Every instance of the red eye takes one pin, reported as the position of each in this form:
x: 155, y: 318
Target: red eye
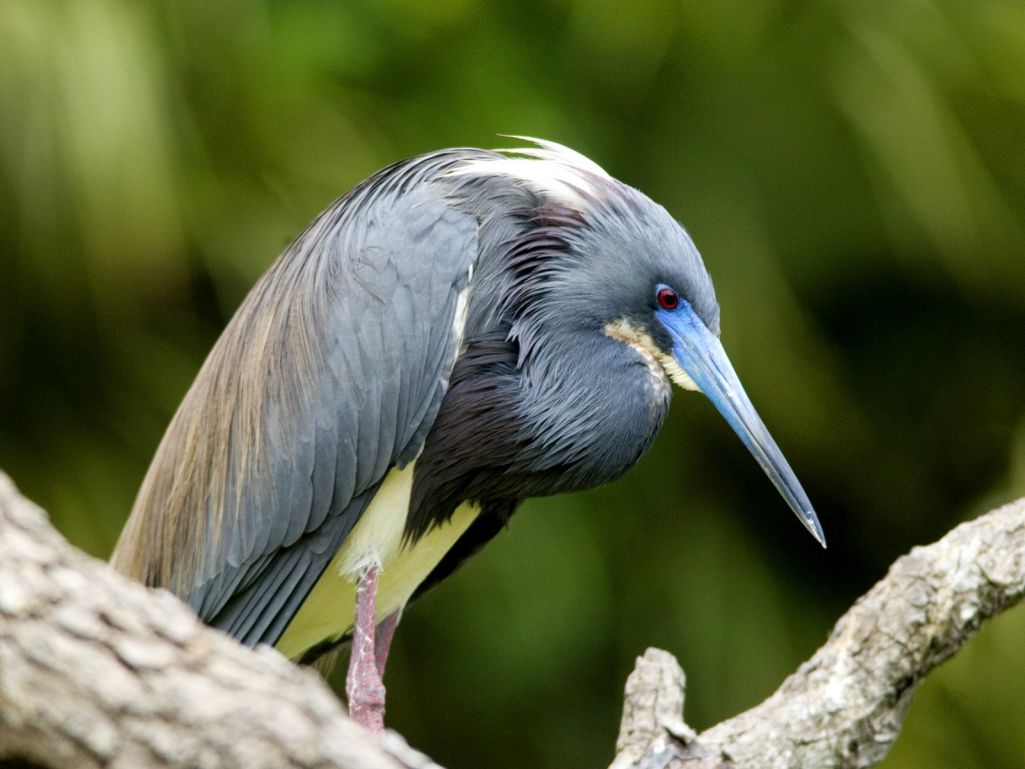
x: 668, y: 299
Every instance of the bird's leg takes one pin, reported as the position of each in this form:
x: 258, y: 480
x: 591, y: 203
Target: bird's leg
x: 363, y: 684
x: 382, y: 641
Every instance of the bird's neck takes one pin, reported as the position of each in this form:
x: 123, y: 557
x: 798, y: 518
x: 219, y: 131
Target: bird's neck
x: 602, y: 404
x: 514, y: 426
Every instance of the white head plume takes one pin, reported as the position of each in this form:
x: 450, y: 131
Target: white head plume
x: 548, y: 168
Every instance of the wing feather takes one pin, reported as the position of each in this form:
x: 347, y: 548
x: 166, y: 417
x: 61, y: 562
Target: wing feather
x: 330, y: 373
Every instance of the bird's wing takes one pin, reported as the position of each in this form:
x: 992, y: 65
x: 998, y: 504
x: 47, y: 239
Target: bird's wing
x: 330, y: 373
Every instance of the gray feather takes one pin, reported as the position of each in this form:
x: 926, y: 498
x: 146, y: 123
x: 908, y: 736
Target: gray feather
x: 330, y: 373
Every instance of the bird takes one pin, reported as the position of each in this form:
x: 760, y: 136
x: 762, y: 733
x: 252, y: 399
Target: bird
x: 461, y: 331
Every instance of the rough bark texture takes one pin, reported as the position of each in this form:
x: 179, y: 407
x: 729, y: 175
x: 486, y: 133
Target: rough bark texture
x: 844, y: 707
x: 96, y: 671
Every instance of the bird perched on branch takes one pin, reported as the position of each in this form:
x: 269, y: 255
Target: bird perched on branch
x: 461, y: 331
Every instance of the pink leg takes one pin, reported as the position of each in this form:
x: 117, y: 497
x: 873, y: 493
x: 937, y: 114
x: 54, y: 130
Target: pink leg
x: 382, y: 643
x: 363, y: 684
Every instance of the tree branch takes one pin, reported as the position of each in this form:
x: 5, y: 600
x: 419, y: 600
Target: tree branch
x: 845, y: 706
x: 96, y: 671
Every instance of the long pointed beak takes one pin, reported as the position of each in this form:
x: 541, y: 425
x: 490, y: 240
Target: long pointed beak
x: 701, y: 355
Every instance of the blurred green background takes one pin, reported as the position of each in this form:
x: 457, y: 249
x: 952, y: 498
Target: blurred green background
x: 853, y: 172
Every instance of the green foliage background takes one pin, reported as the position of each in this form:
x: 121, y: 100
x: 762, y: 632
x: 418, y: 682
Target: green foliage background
x: 853, y: 172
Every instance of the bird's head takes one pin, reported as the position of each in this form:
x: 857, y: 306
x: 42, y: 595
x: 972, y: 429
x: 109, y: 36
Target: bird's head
x: 651, y: 288
x: 605, y: 258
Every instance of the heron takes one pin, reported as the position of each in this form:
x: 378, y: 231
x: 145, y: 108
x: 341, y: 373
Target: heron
x: 462, y: 331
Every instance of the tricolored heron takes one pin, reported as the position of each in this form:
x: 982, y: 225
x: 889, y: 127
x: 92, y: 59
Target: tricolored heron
x: 461, y: 331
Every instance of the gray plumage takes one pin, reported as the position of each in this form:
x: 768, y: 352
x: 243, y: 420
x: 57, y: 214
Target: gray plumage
x: 454, y: 308
x: 316, y: 398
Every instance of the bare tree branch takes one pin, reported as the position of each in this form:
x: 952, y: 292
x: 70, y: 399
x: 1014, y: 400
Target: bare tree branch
x: 96, y: 671
x: 845, y: 706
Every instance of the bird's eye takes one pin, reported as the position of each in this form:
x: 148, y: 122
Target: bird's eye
x: 667, y: 298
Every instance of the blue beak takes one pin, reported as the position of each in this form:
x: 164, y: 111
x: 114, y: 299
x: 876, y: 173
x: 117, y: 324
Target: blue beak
x: 701, y: 355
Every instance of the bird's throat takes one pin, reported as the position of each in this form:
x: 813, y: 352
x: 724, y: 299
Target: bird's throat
x: 659, y: 363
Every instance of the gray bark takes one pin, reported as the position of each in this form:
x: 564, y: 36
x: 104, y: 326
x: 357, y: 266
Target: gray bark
x: 96, y: 671
x: 845, y: 706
